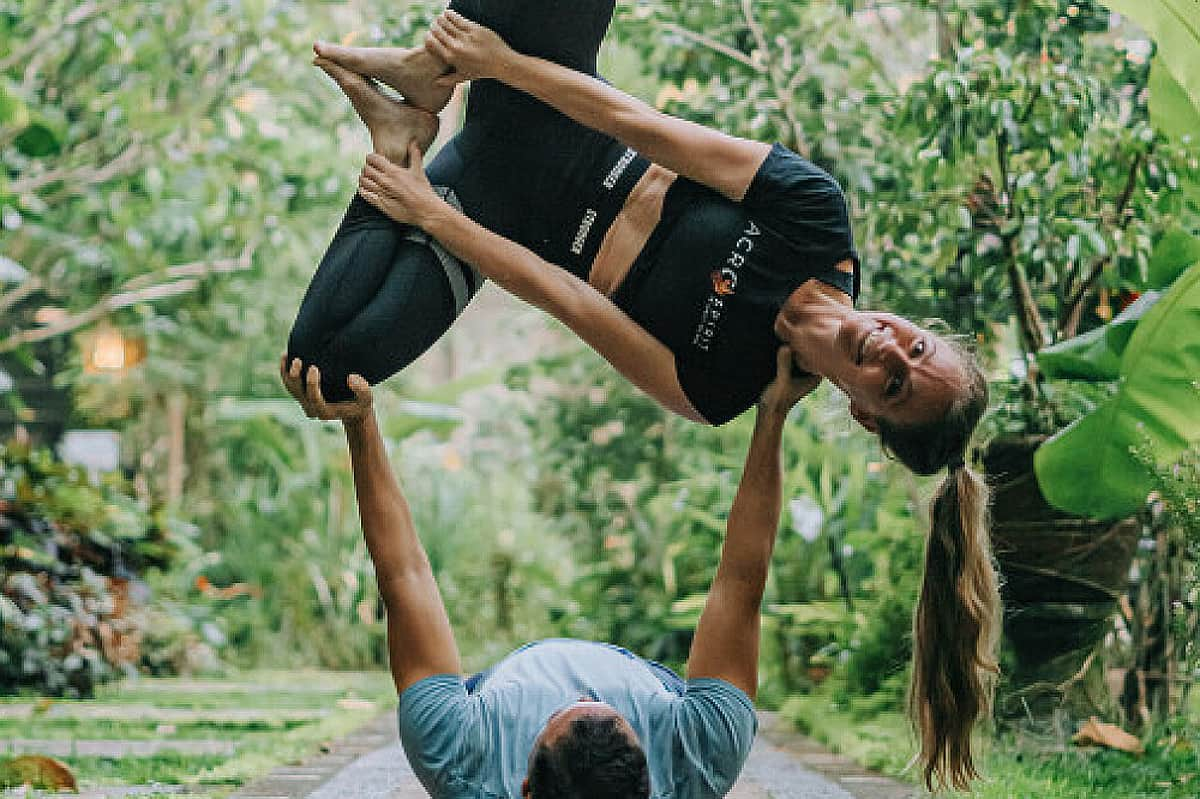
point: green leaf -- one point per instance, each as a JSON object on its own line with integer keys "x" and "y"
{"x": 1171, "y": 110}
{"x": 1173, "y": 254}
{"x": 1089, "y": 468}
{"x": 13, "y": 112}
{"x": 1175, "y": 27}
{"x": 414, "y": 417}
{"x": 1096, "y": 355}
{"x": 38, "y": 141}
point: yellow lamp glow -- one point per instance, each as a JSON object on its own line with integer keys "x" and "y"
{"x": 108, "y": 350}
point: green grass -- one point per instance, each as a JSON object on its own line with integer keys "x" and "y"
{"x": 1170, "y": 769}
{"x": 84, "y": 729}
{"x": 171, "y": 768}
{"x": 260, "y": 744}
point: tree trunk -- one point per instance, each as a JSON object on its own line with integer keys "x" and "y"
{"x": 1063, "y": 575}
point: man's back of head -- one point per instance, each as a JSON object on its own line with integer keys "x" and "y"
{"x": 596, "y": 757}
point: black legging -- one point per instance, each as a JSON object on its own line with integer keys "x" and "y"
{"x": 383, "y": 294}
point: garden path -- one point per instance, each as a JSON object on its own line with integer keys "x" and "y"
{"x": 370, "y": 765}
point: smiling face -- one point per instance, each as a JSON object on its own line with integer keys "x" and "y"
{"x": 894, "y": 370}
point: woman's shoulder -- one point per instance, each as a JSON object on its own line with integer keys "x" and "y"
{"x": 786, "y": 171}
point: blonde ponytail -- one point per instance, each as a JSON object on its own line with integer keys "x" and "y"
{"x": 956, "y": 630}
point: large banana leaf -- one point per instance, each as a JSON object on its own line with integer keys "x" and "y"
{"x": 1171, "y": 110}
{"x": 1175, "y": 26}
{"x": 1096, "y": 355}
{"x": 1090, "y": 467}
{"x": 1173, "y": 254}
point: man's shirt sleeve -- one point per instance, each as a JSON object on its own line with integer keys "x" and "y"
{"x": 714, "y": 729}
{"x": 435, "y": 721}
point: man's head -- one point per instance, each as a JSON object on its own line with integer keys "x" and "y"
{"x": 587, "y": 750}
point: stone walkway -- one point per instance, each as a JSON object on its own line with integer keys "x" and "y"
{"x": 370, "y": 765}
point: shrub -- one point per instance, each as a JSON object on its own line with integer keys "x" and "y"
{"x": 70, "y": 551}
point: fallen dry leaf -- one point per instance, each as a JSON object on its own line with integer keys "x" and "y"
{"x": 36, "y": 771}
{"x": 1094, "y": 732}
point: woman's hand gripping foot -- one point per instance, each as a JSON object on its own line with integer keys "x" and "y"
{"x": 392, "y": 124}
{"x": 401, "y": 192}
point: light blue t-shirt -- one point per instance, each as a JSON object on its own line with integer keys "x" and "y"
{"x": 477, "y": 745}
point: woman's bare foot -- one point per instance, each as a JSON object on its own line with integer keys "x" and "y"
{"x": 392, "y": 124}
{"x": 410, "y": 72}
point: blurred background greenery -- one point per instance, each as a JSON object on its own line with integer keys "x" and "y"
{"x": 1025, "y": 170}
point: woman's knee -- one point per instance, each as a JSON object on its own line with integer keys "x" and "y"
{"x": 311, "y": 349}
{"x": 412, "y": 308}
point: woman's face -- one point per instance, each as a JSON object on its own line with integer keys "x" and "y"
{"x": 894, "y": 370}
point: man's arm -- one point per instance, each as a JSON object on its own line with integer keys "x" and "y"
{"x": 715, "y": 159}
{"x": 420, "y": 641}
{"x": 727, "y": 638}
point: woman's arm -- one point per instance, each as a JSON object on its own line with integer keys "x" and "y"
{"x": 404, "y": 194}
{"x": 722, "y": 162}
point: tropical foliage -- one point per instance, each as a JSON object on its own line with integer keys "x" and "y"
{"x": 69, "y": 555}
{"x": 1021, "y": 169}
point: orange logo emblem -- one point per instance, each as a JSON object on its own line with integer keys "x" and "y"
{"x": 724, "y": 281}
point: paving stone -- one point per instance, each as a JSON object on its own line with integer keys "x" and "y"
{"x": 853, "y": 780}
{"x": 204, "y": 686}
{"x": 382, "y": 774}
{"x": 59, "y": 747}
{"x": 297, "y": 781}
{"x": 780, "y": 775}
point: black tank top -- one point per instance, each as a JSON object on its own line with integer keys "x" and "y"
{"x": 714, "y": 274}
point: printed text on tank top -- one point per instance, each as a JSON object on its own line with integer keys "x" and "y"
{"x": 724, "y": 281}
{"x": 606, "y": 185}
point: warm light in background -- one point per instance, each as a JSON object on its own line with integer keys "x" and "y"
{"x": 107, "y": 350}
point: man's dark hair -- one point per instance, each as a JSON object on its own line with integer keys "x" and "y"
{"x": 594, "y": 759}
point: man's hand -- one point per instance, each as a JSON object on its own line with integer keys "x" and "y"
{"x": 314, "y": 405}
{"x": 472, "y": 49}
{"x": 401, "y": 192}
{"x": 787, "y": 388}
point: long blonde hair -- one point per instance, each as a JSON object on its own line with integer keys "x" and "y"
{"x": 956, "y": 626}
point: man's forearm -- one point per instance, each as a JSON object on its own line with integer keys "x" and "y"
{"x": 727, "y": 637}
{"x": 386, "y": 520}
{"x": 420, "y": 641}
{"x": 754, "y": 517}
